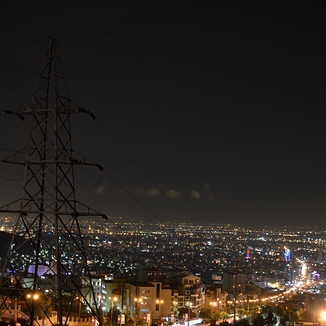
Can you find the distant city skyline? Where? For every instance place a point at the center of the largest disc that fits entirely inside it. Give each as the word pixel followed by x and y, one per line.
pixel 123 248
pixel 206 267
pixel 221 106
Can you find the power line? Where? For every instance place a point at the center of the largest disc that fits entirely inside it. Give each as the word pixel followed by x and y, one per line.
pixel 92 186
pixel 130 194
pixel 99 181
pixel 9 179
pixel 10 150
pixel 143 171
pixel 15 90
pixel 126 153
pixel 135 209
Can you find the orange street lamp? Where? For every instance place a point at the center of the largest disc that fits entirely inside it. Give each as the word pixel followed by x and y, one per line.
pixel 159 302
pixel 112 299
pixel 136 300
pixel 34 298
pixel 323 316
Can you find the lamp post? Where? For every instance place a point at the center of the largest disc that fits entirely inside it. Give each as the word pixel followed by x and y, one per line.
pixel 159 302
pixel 213 307
pixel 112 299
pixel 79 308
pixel 323 317
pixel 219 308
pixel 99 297
pixel 34 298
pixel 103 309
pixel 136 300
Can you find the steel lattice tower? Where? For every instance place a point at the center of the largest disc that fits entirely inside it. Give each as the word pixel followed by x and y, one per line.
pixel 47 239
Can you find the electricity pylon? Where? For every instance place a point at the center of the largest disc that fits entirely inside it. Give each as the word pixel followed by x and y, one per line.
pixel 46 267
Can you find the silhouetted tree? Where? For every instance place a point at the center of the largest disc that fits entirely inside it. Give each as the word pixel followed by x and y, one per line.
pixel 285 319
pixel 270 319
pixel 224 323
pixel 259 321
pixel 242 322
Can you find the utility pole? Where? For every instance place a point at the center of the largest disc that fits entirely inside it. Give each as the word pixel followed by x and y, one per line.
pixel 47 224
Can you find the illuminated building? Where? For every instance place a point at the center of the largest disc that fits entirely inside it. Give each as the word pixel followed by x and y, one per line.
pixel 287 254
pixel 288 273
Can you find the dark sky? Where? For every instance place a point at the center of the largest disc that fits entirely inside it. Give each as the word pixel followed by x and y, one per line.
pixel 221 105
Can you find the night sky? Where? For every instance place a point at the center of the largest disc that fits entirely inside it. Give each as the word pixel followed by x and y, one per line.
pixel 222 106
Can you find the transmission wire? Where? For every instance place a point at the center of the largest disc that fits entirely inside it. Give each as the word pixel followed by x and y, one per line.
pixel 85 128
pixel 9 179
pixel 146 174
pixel 15 90
pixel 12 150
pixel 128 155
pixel 135 209
pixel 13 124
pixel 89 187
pixel 130 194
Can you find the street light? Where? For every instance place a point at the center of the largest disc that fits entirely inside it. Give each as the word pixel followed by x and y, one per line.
pixel 213 307
pixel 136 300
pixel 323 316
pixel 77 298
pixel 99 297
pixel 112 299
pixel 158 302
pixel 103 309
pixel 34 298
